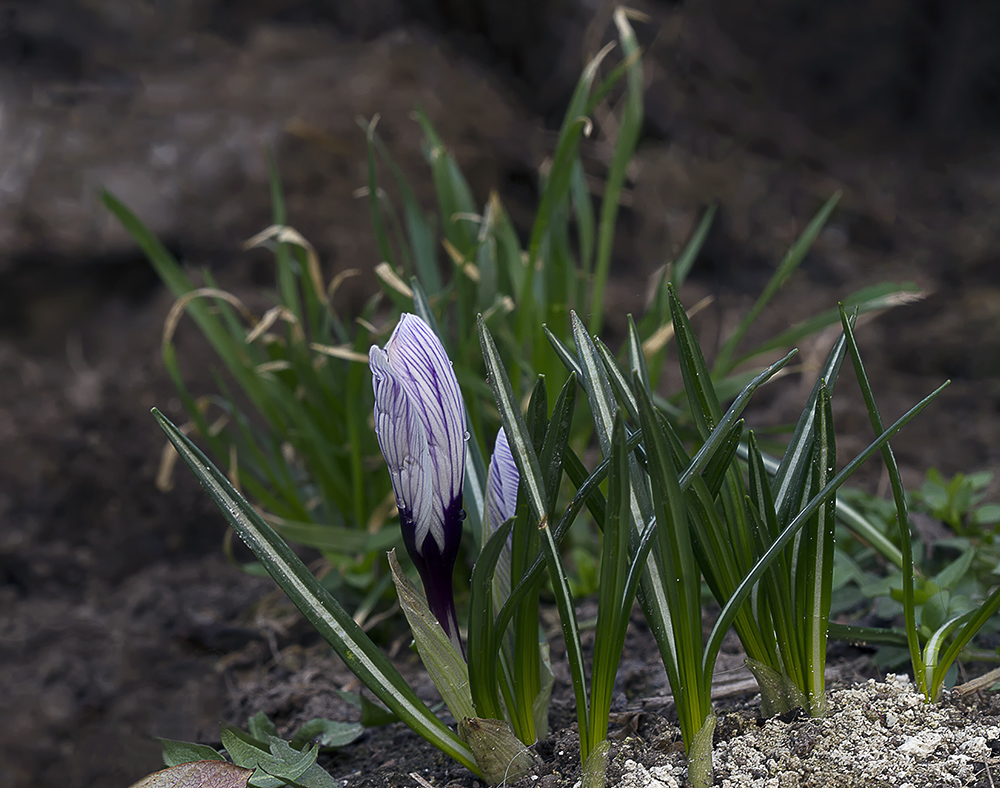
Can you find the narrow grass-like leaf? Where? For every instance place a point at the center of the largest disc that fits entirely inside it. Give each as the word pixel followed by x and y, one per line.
pixel 583 212
pixel 566 356
pixel 612 605
pixel 558 182
pixel 728 613
pixel 875 298
pixel 775 599
pixel 524 547
pixel 698 387
pixel 595 381
pixel 711 544
pixel 711 445
pixel 453 192
pixel 795 255
pixel 863 636
pixel 444 663
pixel 619 383
pixel 682 587
pixel 483 641
pixel 287 280
pixel 902 517
pixel 517 432
pixel 419 230
pixel 555 446
pixel 571 633
pixel 624 148
pixel 814 567
pixel 682 266
pixel 933 648
pixel 636 355
pixel 800 445
pixel 164 263
pixel 721 460
pixel 850 517
pixel 556 442
pixel 977 619
pixel 381 235
pixel 486 256
pixel 317 605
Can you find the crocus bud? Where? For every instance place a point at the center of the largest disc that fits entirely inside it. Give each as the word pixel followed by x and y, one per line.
pixel 501 501
pixel 420 423
pixel 502 482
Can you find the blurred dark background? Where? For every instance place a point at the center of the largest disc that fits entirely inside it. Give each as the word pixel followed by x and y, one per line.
pixel 116 606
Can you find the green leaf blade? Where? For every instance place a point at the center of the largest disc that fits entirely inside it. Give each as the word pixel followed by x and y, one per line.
pixel 315 602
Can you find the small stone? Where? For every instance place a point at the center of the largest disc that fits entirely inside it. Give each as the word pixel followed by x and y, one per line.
pixel 975 746
pixel 788 780
pixel 921 745
pixel 665 775
pixel 637 776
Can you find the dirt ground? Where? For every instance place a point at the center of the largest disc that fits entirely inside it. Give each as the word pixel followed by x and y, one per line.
pixel 120 618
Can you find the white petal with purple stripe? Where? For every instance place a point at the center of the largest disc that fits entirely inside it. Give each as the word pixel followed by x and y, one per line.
pixel 420 421
pixel 502 483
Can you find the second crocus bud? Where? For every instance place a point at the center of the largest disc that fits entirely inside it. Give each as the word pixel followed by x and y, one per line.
pixel 501 484
pixel 501 502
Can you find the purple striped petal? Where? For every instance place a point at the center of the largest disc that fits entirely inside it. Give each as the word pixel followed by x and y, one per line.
pixel 403 440
pixel 420 424
pixel 420 421
pixel 502 480
pixel 502 483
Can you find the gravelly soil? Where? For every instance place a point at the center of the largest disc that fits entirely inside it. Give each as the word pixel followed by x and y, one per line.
pixel 879 731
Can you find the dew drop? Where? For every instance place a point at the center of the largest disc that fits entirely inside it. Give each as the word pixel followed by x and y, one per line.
pixel 467 435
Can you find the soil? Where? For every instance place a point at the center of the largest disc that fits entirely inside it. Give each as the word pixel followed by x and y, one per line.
pixel 121 618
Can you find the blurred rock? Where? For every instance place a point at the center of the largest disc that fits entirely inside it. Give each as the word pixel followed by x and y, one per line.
pixel 178 126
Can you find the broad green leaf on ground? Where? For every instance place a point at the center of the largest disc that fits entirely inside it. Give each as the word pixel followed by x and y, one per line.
pixel 260 726
pixel 299 768
pixel 328 733
pixel 278 764
pixel 177 752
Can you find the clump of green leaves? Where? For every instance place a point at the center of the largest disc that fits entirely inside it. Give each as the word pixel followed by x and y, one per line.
pixel 944 597
pixel 956 555
pixel 258 757
pixel 288 418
